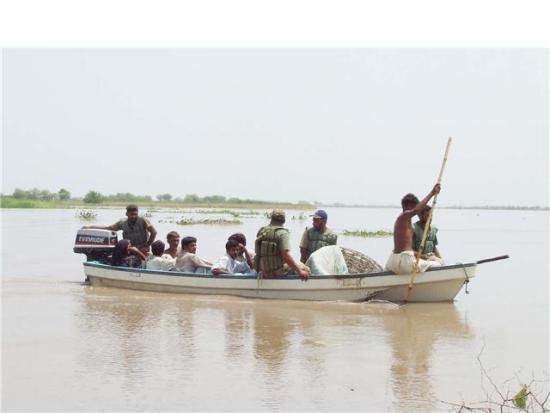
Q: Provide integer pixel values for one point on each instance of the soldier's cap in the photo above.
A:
(278, 213)
(320, 214)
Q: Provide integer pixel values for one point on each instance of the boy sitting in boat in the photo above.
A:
(402, 260)
(244, 254)
(430, 251)
(229, 264)
(188, 261)
(158, 260)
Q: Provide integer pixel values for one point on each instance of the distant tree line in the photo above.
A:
(95, 197)
(42, 194)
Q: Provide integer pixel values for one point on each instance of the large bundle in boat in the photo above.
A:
(327, 261)
(359, 263)
(334, 260)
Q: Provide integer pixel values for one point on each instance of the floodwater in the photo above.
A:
(71, 347)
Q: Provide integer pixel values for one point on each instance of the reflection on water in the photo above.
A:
(82, 348)
(277, 345)
(413, 336)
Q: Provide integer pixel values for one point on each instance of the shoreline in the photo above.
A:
(12, 203)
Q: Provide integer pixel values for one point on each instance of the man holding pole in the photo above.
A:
(403, 260)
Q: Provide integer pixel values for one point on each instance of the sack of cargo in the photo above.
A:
(327, 261)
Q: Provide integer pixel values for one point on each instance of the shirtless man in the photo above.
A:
(402, 260)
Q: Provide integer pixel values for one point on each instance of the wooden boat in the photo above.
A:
(436, 284)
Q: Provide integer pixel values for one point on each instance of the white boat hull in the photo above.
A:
(439, 284)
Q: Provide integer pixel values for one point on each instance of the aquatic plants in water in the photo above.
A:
(236, 214)
(86, 215)
(204, 221)
(208, 221)
(367, 234)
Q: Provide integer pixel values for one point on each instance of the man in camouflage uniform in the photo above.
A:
(135, 228)
(272, 249)
(318, 236)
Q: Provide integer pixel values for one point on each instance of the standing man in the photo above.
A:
(402, 260)
(430, 251)
(318, 236)
(273, 250)
(173, 239)
(138, 230)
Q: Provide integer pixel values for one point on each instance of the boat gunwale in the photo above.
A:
(95, 264)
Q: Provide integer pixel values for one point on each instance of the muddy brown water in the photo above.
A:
(71, 347)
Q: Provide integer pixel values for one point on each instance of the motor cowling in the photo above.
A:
(96, 244)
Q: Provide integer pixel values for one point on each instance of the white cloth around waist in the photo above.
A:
(404, 263)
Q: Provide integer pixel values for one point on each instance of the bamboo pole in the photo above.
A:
(428, 223)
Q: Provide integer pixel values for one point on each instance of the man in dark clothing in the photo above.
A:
(138, 230)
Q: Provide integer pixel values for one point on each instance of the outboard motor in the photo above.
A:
(96, 244)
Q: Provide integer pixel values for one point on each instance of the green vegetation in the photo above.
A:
(219, 199)
(63, 194)
(149, 212)
(42, 198)
(62, 199)
(10, 202)
(86, 215)
(164, 197)
(204, 221)
(235, 214)
(93, 197)
(41, 194)
(367, 234)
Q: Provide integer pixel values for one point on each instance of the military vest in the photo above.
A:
(317, 239)
(268, 256)
(137, 233)
(431, 238)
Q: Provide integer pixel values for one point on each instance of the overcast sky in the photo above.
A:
(334, 125)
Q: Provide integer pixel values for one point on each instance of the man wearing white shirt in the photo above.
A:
(229, 263)
(158, 260)
(188, 260)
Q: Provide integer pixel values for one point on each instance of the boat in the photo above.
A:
(366, 279)
(434, 285)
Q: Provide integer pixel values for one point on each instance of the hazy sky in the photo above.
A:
(334, 125)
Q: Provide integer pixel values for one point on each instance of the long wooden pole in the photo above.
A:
(428, 223)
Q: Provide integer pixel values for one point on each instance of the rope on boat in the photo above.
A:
(259, 277)
(467, 280)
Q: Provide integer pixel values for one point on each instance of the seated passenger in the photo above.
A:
(158, 260)
(244, 255)
(188, 261)
(430, 251)
(229, 264)
(173, 239)
(126, 255)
